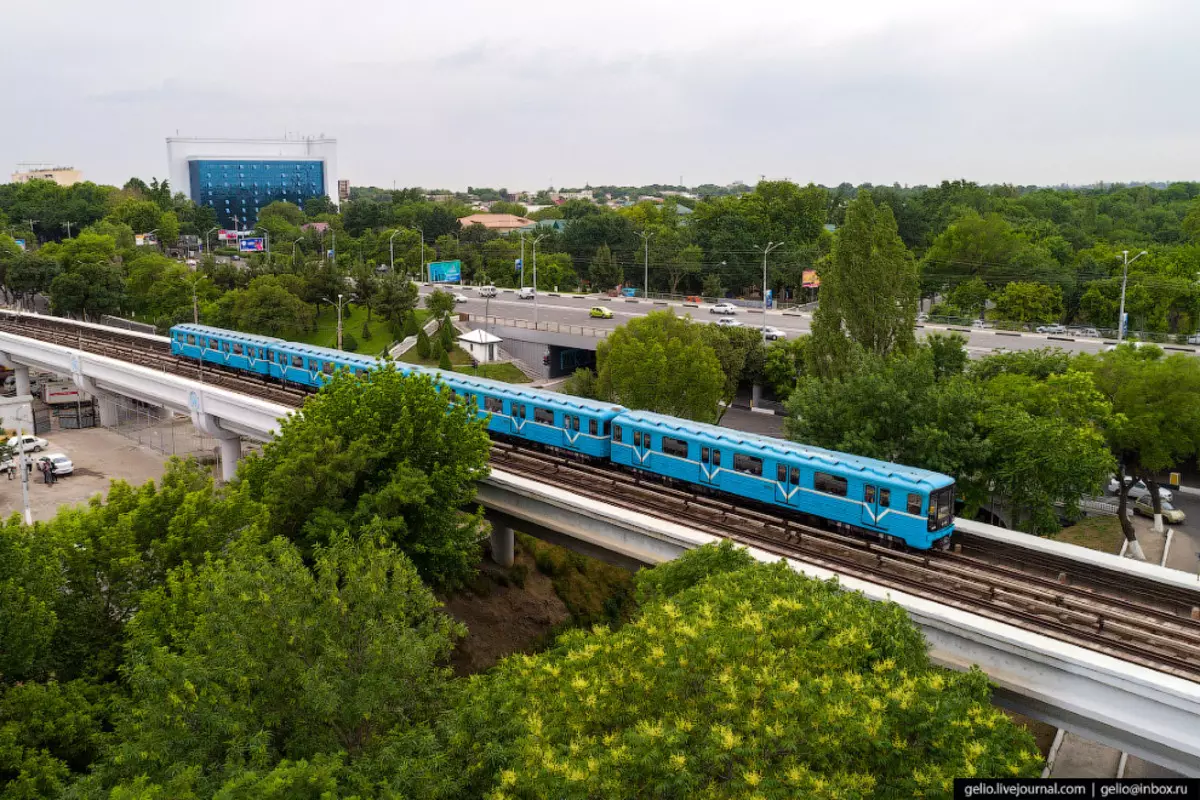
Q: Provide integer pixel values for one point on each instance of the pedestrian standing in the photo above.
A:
(45, 472)
(53, 472)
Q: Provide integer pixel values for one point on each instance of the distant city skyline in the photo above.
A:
(474, 93)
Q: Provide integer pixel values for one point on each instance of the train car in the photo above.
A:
(309, 365)
(571, 424)
(913, 505)
(242, 351)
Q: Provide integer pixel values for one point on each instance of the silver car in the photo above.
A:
(1138, 490)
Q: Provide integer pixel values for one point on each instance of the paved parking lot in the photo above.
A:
(99, 455)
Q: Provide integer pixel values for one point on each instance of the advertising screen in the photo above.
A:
(445, 271)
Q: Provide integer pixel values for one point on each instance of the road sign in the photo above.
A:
(445, 271)
(250, 246)
(20, 243)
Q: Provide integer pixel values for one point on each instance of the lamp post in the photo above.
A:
(340, 302)
(535, 286)
(392, 250)
(766, 251)
(207, 242)
(301, 239)
(522, 260)
(1124, 279)
(646, 241)
(195, 300)
(22, 465)
(421, 231)
(68, 225)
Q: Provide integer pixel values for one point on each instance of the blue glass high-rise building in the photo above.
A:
(237, 177)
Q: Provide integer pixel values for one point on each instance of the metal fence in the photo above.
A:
(162, 431)
(127, 324)
(530, 325)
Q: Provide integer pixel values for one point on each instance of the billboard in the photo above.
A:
(227, 236)
(20, 243)
(142, 239)
(445, 271)
(811, 279)
(250, 245)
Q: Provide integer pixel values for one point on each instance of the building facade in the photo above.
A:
(63, 176)
(237, 177)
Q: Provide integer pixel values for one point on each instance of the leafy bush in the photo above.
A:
(410, 325)
(444, 362)
(349, 343)
(423, 346)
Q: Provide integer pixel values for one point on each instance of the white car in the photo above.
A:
(729, 322)
(771, 334)
(460, 298)
(487, 291)
(1138, 490)
(33, 444)
(1052, 329)
(723, 308)
(62, 464)
(526, 293)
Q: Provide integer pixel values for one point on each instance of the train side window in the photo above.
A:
(237, 349)
(575, 423)
(607, 427)
(869, 493)
(361, 372)
(494, 405)
(914, 504)
(885, 498)
(675, 447)
(637, 438)
(297, 361)
(704, 455)
(781, 473)
(616, 433)
(830, 484)
(453, 394)
(747, 464)
(716, 458)
(593, 427)
(543, 415)
(191, 338)
(523, 410)
(795, 476)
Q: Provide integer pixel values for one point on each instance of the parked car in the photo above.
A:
(459, 297)
(1170, 513)
(1138, 490)
(980, 324)
(729, 322)
(487, 291)
(922, 317)
(600, 312)
(526, 293)
(1088, 332)
(771, 334)
(62, 465)
(1194, 338)
(33, 444)
(1052, 329)
(723, 308)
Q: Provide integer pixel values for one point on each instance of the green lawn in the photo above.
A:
(352, 323)
(497, 372)
(1097, 533)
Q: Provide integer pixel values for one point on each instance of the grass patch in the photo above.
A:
(353, 317)
(593, 591)
(497, 372)
(1095, 533)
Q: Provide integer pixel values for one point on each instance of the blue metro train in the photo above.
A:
(895, 502)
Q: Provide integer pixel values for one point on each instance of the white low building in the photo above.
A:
(481, 345)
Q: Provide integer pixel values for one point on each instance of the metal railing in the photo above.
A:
(530, 325)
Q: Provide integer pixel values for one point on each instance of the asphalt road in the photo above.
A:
(573, 310)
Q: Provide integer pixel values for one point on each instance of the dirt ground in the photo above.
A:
(99, 455)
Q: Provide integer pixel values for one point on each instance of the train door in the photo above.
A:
(570, 428)
(787, 484)
(517, 418)
(641, 447)
(870, 505)
(710, 464)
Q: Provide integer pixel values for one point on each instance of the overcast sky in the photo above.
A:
(527, 95)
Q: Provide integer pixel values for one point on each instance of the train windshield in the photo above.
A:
(941, 508)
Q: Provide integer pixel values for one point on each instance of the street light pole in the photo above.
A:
(421, 231)
(766, 251)
(207, 241)
(535, 286)
(68, 225)
(1124, 280)
(301, 239)
(646, 241)
(392, 249)
(523, 261)
(339, 304)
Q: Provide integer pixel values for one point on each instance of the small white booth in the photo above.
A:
(480, 344)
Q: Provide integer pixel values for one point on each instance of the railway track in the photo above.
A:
(1108, 611)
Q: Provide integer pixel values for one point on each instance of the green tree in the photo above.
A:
(441, 305)
(868, 288)
(783, 365)
(661, 363)
(395, 300)
(30, 274)
(265, 307)
(741, 353)
(582, 383)
(446, 337)
(605, 272)
(505, 207)
(712, 286)
(971, 296)
(1029, 302)
(168, 229)
(89, 289)
(142, 216)
(444, 361)
(1156, 424)
(387, 455)
(733, 687)
(366, 287)
(340, 657)
(424, 346)
(683, 266)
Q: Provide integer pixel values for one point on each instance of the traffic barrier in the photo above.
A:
(1060, 339)
(1008, 333)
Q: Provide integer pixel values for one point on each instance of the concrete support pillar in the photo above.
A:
(21, 375)
(231, 451)
(108, 410)
(756, 395)
(503, 545)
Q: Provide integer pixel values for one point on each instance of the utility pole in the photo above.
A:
(535, 287)
(207, 241)
(766, 251)
(392, 249)
(421, 231)
(68, 225)
(22, 465)
(522, 261)
(646, 241)
(195, 302)
(1124, 280)
(339, 305)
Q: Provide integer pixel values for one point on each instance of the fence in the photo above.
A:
(127, 324)
(530, 325)
(160, 430)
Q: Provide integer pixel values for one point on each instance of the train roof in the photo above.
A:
(564, 402)
(209, 330)
(781, 447)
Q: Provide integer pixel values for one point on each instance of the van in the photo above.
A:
(487, 291)
(526, 293)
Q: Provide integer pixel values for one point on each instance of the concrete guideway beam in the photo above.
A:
(1141, 711)
(229, 443)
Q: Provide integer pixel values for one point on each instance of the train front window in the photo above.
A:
(941, 508)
